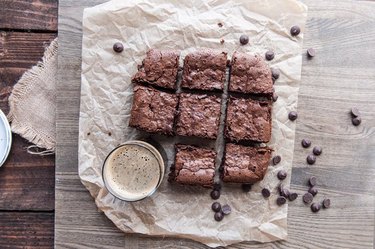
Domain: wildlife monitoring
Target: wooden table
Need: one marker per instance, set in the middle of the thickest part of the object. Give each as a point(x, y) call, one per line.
point(341, 76)
point(26, 181)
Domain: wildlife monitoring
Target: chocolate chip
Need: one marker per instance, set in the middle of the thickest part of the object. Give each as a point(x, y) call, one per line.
point(276, 160)
point(355, 112)
point(215, 194)
point(118, 47)
point(281, 200)
point(274, 97)
point(222, 41)
point(292, 115)
point(285, 192)
point(313, 191)
point(311, 52)
point(216, 207)
point(88, 133)
point(295, 30)
point(293, 196)
point(244, 39)
point(312, 181)
point(226, 209)
point(217, 186)
point(310, 159)
point(315, 207)
point(270, 55)
point(220, 24)
point(305, 143)
point(219, 216)
point(109, 133)
point(356, 121)
point(228, 63)
point(275, 73)
point(266, 193)
point(317, 150)
point(326, 203)
point(246, 187)
point(307, 198)
point(281, 174)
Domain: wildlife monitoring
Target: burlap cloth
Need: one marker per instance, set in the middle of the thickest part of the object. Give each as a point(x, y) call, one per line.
point(32, 103)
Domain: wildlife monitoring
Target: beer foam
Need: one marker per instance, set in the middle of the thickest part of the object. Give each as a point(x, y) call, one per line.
point(132, 172)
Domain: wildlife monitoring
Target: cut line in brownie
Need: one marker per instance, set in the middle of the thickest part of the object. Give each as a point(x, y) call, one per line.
point(153, 110)
point(193, 166)
point(204, 69)
point(250, 74)
point(248, 120)
point(198, 115)
point(243, 164)
point(159, 68)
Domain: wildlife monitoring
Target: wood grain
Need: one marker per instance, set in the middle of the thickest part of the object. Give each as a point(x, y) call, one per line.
point(339, 77)
point(29, 15)
point(26, 230)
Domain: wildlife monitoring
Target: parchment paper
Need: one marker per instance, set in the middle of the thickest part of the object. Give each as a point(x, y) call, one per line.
point(106, 97)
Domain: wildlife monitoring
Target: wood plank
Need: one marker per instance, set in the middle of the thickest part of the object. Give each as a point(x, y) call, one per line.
point(38, 15)
point(26, 230)
point(339, 77)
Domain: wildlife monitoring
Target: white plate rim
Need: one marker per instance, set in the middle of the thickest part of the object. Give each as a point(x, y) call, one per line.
point(8, 132)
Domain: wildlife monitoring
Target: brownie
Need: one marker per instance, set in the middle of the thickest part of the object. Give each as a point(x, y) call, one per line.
point(198, 115)
point(243, 164)
point(250, 74)
point(204, 70)
point(193, 166)
point(248, 120)
point(159, 68)
point(153, 111)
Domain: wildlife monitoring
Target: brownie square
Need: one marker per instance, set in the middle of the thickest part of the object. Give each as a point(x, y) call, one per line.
point(244, 164)
point(159, 68)
point(204, 70)
point(248, 120)
point(193, 166)
point(250, 74)
point(153, 111)
point(198, 115)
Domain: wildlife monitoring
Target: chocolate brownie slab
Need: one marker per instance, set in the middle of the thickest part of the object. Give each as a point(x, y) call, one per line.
point(198, 115)
point(248, 120)
point(244, 164)
point(159, 68)
point(153, 111)
point(250, 74)
point(194, 166)
point(204, 70)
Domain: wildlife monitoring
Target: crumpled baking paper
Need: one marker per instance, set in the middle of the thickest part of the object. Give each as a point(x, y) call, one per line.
point(106, 98)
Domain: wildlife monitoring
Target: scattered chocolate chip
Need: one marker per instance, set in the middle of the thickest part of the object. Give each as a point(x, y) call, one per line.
point(226, 209)
point(326, 203)
point(312, 181)
point(217, 186)
point(313, 191)
point(295, 30)
point(222, 41)
point(219, 216)
point(266, 193)
point(274, 97)
point(118, 47)
point(355, 112)
point(293, 196)
point(305, 143)
point(292, 115)
point(109, 133)
point(215, 194)
point(281, 174)
point(281, 200)
point(310, 159)
point(275, 73)
point(315, 207)
point(220, 24)
point(88, 133)
point(311, 52)
point(270, 55)
point(285, 192)
point(280, 188)
point(307, 198)
point(216, 207)
point(246, 187)
point(356, 121)
point(244, 39)
point(228, 63)
point(276, 160)
point(317, 150)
